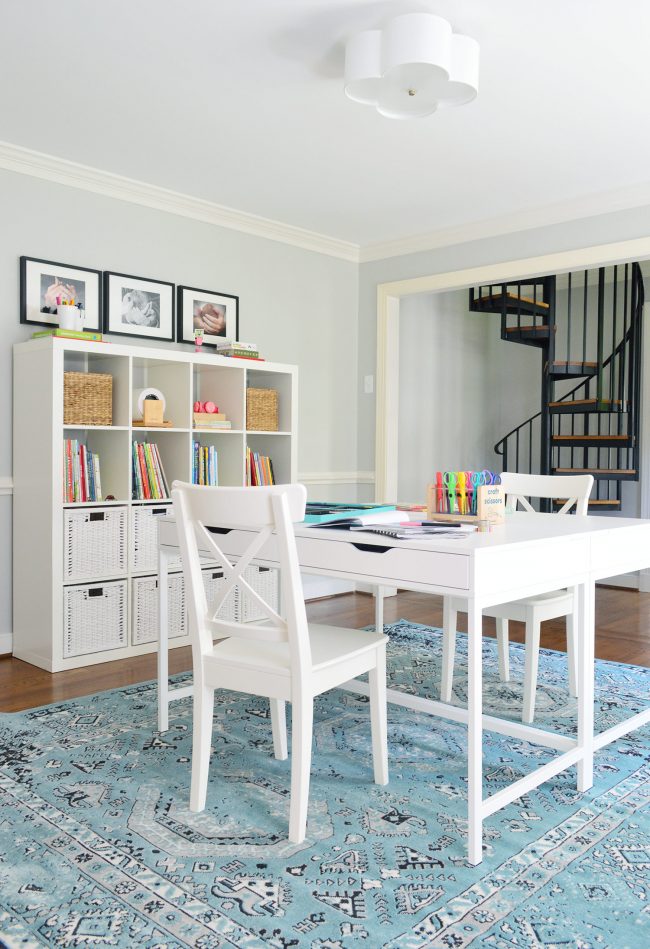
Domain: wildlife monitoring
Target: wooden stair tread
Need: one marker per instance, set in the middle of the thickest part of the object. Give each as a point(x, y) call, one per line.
point(592, 503)
point(612, 471)
point(527, 329)
point(491, 297)
point(590, 438)
point(587, 402)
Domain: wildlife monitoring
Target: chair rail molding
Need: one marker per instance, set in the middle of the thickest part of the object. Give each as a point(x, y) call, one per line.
point(337, 477)
point(388, 308)
point(6, 486)
point(40, 165)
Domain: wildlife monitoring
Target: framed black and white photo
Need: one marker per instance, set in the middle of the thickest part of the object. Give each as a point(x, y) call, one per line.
point(44, 282)
point(217, 314)
point(136, 306)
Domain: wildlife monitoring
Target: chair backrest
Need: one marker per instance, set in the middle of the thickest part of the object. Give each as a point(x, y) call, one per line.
point(262, 512)
point(574, 490)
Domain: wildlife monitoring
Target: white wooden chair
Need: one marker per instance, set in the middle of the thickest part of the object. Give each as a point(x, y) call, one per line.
point(280, 657)
point(575, 490)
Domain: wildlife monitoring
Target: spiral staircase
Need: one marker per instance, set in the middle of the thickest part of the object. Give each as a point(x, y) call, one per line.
point(588, 328)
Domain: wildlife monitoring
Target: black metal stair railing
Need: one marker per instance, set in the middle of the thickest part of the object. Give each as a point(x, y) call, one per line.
point(594, 425)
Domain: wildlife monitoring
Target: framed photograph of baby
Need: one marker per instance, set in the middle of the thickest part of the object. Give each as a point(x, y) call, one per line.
point(136, 306)
point(217, 314)
point(46, 285)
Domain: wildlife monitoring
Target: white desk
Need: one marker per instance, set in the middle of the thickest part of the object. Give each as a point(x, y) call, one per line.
point(529, 554)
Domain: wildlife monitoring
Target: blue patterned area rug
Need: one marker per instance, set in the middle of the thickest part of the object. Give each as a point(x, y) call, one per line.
point(98, 847)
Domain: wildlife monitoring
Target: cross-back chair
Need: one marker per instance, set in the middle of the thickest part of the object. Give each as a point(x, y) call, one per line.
point(280, 656)
point(574, 491)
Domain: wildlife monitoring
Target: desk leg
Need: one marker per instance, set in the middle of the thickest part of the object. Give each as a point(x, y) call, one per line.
point(475, 733)
point(379, 609)
point(163, 644)
point(584, 633)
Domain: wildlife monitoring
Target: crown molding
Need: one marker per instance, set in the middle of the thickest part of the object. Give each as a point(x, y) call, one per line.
point(25, 161)
point(607, 202)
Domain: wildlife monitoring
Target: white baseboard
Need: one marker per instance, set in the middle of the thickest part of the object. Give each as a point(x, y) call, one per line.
point(6, 643)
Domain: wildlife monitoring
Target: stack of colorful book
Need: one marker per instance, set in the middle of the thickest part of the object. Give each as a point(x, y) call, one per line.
point(81, 481)
point(149, 482)
point(259, 468)
point(205, 469)
point(239, 350)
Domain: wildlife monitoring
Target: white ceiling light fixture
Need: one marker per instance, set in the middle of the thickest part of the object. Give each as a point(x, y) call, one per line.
point(411, 67)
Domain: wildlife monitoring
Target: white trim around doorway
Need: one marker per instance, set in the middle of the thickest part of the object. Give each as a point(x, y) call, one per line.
point(388, 310)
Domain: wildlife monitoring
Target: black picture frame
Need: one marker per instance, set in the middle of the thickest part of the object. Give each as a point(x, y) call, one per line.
point(138, 317)
point(189, 297)
point(31, 291)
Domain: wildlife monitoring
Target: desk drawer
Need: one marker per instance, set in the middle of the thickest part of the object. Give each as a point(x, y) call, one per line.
point(396, 565)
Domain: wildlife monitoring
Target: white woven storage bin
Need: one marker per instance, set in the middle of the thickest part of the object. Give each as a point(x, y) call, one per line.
point(213, 580)
point(145, 608)
point(94, 543)
point(144, 538)
point(94, 618)
point(265, 582)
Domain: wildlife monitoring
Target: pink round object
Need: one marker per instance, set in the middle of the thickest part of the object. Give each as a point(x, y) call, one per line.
point(197, 406)
point(210, 408)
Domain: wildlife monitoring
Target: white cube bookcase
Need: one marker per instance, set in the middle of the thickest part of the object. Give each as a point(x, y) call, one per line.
point(78, 568)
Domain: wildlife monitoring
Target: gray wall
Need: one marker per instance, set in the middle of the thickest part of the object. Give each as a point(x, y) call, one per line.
point(299, 306)
point(461, 388)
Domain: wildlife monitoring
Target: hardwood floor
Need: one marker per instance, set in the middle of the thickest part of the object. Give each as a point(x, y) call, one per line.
point(622, 634)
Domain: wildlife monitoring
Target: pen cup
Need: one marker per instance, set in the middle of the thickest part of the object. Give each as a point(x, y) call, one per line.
point(69, 317)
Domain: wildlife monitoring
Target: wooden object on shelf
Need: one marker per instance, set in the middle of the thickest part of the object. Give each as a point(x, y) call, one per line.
point(152, 412)
point(87, 398)
point(261, 410)
point(143, 423)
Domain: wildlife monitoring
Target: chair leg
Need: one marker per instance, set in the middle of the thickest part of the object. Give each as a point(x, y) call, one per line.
point(449, 622)
point(279, 728)
point(302, 723)
point(378, 717)
point(203, 711)
point(503, 648)
point(530, 669)
point(572, 656)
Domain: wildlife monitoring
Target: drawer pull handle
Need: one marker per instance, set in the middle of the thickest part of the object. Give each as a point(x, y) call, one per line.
point(219, 530)
point(98, 591)
point(159, 510)
point(96, 516)
point(372, 548)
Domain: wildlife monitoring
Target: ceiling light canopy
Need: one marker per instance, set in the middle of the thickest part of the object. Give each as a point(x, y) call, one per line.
point(411, 67)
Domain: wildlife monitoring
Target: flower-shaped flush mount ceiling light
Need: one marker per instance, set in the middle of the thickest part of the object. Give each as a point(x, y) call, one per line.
point(411, 67)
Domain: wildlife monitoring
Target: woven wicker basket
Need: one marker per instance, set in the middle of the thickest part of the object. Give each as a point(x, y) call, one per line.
point(261, 410)
point(87, 398)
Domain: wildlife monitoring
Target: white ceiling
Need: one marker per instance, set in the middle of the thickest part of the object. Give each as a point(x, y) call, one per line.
point(240, 102)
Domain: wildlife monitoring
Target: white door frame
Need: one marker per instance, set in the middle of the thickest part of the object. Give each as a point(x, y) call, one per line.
point(388, 310)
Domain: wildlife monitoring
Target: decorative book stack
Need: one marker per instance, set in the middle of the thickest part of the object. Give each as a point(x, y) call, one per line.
point(240, 350)
point(149, 482)
point(214, 421)
point(81, 480)
point(88, 336)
